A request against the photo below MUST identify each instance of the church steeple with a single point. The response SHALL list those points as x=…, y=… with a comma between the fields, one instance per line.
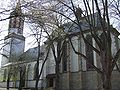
x=14, y=41
x=16, y=22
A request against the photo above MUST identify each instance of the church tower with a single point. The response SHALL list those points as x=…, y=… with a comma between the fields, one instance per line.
x=14, y=41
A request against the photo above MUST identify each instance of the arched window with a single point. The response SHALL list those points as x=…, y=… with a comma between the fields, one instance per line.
x=15, y=74
x=22, y=75
x=5, y=75
x=14, y=22
x=35, y=72
x=29, y=73
x=89, y=53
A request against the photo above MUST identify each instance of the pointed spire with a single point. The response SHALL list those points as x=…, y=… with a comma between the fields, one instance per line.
x=18, y=7
x=18, y=4
x=17, y=11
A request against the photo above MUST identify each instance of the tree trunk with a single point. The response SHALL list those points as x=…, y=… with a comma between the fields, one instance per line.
x=57, y=80
x=20, y=86
x=36, y=84
x=20, y=82
x=8, y=80
x=37, y=68
x=107, y=82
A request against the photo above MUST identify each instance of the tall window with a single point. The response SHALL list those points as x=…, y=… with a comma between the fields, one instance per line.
x=29, y=73
x=22, y=75
x=5, y=75
x=64, y=57
x=14, y=23
x=89, y=53
x=35, y=72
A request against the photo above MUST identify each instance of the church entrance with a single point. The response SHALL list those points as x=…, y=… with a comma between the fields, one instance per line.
x=50, y=80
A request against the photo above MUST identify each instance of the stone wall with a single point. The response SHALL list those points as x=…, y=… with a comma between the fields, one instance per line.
x=64, y=81
x=86, y=80
x=82, y=80
x=90, y=80
x=76, y=81
x=116, y=80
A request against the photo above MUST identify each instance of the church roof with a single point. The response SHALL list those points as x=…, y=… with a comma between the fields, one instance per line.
x=31, y=54
x=71, y=27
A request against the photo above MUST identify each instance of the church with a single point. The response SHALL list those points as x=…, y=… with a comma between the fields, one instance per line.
x=75, y=73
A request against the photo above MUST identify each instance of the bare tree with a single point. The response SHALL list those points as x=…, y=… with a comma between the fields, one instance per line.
x=54, y=38
x=103, y=41
x=104, y=50
x=115, y=12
